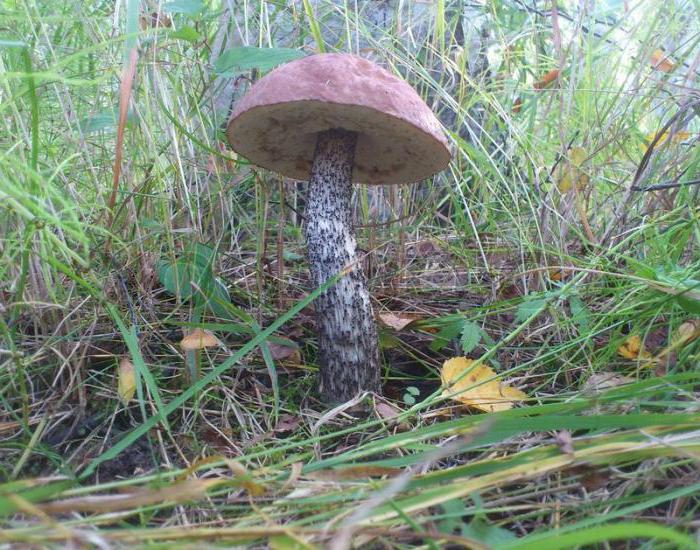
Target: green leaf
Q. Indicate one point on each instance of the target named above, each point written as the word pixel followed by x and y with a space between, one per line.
pixel 580 314
pixel 13 44
pixel 186 33
pixel 186 7
pixel 290 256
pixel 491 535
pixel 455 509
pixel 244 58
pixel 176 278
pixel 202 255
pixel 471 336
pixel 104 120
pixel 413 390
pixel 443 337
pixel 529 307
pixel 689 304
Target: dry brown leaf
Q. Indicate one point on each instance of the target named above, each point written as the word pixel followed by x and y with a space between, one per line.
pixel 287 423
pixel 603 381
pixel 387 411
pixel 189 489
pixel 126 381
pixel 633 349
pixel 517 105
pixel 565 442
pixel 684 335
pixel 479 388
pixel 285 350
pixel 198 339
pixel 398 321
pixel 661 62
pixel 547 79
pixel 353 472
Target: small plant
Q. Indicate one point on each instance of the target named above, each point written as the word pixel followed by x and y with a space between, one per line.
pixel 410 396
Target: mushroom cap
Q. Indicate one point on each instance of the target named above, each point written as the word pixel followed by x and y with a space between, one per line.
pixel 198 339
pixel 276 123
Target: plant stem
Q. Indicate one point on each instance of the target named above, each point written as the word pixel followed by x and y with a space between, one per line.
pixel 347 334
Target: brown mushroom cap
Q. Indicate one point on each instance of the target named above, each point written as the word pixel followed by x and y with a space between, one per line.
pixel 399 139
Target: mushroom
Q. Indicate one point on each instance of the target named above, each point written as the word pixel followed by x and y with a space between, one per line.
pixel 335 119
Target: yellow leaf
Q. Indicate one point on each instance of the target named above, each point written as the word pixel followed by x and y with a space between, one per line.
pixel 660 61
pixel 686 333
pixel 476 385
pixel 198 339
pixel 677 137
pixel 126 381
pixel 570 172
pixel 632 349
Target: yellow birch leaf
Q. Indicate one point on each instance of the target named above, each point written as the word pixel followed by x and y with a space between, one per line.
pixel 661 62
pixel 126 381
pixel 477 386
pixel 570 173
pixel 632 349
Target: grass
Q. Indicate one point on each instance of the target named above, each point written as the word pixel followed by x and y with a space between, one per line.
pixel 542 285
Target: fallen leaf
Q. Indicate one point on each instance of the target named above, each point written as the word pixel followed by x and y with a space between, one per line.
pixel 387 411
pixel 287 423
pixel 198 339
pixel 633 349
pixel 570 172
pixel 285 350
pixel 517 105
pixel 477 386
pixel 677 137
pixel 685 333
pixel 547 79
pixel 565 442
pixel 661 62
pixel 190 489
pixel 353 472
pixel 602 381
pixel 126 381
pixel 398 321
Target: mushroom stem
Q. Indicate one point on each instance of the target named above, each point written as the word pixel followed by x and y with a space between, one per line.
pixel 347 334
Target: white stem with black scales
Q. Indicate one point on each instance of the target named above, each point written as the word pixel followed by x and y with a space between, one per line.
pixel 347 333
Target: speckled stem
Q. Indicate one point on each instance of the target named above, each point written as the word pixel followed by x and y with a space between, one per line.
pixel 347 334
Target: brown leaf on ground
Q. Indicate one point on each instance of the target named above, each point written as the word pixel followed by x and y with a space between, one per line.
pixel 565 442
pixel 661 62
pixel 353 472
pixel 285 350
pixel 287 423
pixel 189 489
pixel 547 79
pixel 603 381
pixel 398 321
